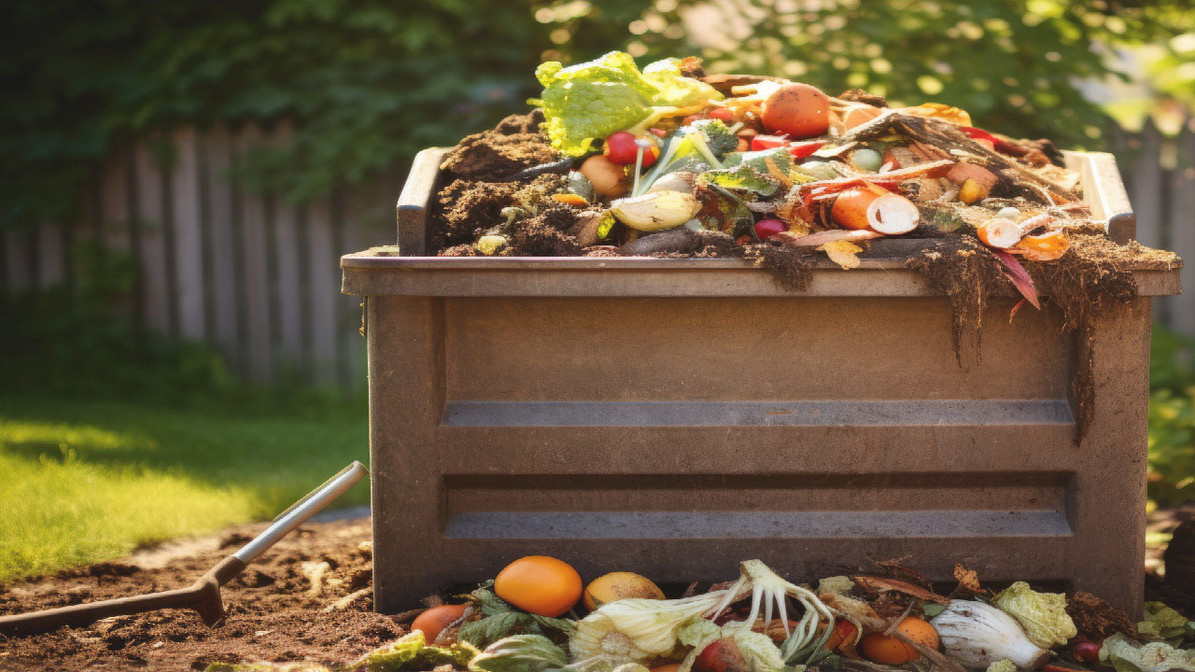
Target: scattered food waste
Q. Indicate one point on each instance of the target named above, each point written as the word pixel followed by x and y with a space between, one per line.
pixel 527 620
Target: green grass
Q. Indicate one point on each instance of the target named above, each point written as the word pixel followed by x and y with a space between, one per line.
pixel 82 481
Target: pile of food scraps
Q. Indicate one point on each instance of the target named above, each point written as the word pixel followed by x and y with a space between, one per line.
pixel 887 620
pixel 666 161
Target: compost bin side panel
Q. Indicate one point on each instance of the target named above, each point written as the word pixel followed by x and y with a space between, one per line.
pixel 406 373
pixel 1109 492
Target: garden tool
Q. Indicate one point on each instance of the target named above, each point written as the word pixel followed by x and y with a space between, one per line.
pixel 204 595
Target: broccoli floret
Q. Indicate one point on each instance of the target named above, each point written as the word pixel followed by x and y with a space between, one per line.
pixel 720 139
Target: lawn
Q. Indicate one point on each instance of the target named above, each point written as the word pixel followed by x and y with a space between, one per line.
pixel 89 480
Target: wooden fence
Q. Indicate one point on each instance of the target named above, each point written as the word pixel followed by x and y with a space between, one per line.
pixel 259 279
pixel 247 273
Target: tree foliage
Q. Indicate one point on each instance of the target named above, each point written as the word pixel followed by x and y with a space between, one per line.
pixel 368 82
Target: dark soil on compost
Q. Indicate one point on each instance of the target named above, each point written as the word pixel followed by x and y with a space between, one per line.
pixel 288 606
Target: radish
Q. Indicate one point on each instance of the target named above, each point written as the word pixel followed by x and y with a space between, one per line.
pixel 766 228
pixel 892 215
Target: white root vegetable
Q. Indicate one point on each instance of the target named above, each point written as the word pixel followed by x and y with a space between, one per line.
pixel 978 634
pixel 1005 232
pixel 892 215
pixel 656 210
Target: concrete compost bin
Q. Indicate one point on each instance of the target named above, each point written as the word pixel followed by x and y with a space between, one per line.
pixel 675 416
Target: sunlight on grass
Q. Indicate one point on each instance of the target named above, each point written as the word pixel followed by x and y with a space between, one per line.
pixel 57 513
pixel 87 481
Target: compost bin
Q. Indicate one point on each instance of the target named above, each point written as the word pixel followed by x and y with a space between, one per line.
pixel 675 416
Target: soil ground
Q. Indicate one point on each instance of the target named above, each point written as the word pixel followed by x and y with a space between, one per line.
pixel 286 607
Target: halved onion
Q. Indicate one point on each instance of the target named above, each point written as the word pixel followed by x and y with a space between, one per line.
pixel 656 210
pixel 892 215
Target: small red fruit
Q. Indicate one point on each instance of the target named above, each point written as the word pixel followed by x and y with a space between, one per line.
pixel 621 148
pixel 766 228
pixel 691 118
pixel 434 620
pixel 1087 652
pixel 722 655
pixel 723 114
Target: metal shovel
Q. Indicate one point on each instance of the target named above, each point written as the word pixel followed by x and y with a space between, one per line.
pixel 204 595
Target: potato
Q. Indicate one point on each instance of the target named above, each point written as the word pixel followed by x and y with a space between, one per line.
pixel 608 178
pixel 797 110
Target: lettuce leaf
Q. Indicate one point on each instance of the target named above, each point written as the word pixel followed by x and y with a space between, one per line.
pixel 589 101
pixel 674 89
pixel 741 178
pixel 412 653
pixel 1128 656
pixel 1042 615
pixel 520 653
pixel 1163 622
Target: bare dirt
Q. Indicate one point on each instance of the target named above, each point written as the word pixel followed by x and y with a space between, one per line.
pixel 285 607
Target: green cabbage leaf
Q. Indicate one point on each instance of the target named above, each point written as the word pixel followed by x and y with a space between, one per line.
pixel 589 101
pixel 1042 615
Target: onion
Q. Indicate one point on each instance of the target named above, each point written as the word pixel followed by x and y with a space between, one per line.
pixel 656 210
pixel 892 215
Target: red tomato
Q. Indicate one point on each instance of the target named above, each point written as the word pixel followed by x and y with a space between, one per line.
pixel 722 113
pixel 621 148
pixel 691 118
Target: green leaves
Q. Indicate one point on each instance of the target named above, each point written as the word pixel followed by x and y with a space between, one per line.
pixel 520 653
pixel 500 619
pixel 742 178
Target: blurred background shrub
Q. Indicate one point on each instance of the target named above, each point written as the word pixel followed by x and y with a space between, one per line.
pixel 368 82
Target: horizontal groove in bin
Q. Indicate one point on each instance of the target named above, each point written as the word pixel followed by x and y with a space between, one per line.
pixel 916 412
pixel 753 525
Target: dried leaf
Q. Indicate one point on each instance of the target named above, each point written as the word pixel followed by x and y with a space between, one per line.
pixel 968 579
pixel 1016 273
pixel 842 252
pixel 878 584
pixel 941 111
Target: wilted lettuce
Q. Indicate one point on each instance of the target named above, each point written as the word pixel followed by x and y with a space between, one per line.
pixel 520 653
pixel 1042 615
pixel 741 178
pixel 412 653
pixel 1128 656
pixel 591 100
pixel 1163 622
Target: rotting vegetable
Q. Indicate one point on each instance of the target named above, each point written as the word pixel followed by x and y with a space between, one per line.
pixel 978 634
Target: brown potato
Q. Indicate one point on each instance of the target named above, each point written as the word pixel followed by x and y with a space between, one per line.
pixel 608 178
